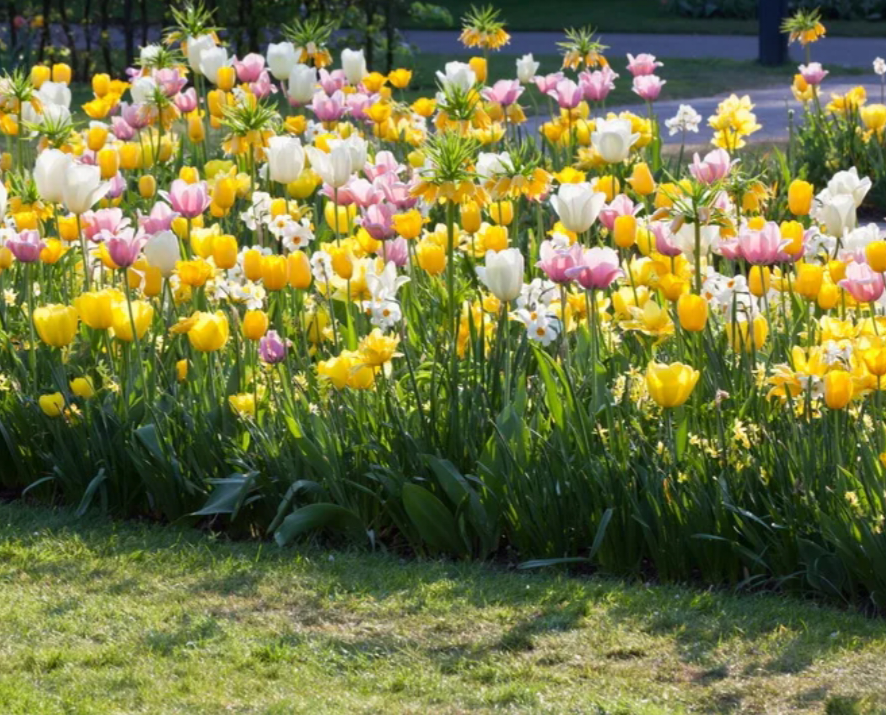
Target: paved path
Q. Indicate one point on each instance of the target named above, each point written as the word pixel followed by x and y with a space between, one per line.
pixel 851 52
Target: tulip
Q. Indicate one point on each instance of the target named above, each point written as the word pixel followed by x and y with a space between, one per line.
pixel 282 58
pixel 353 64
pixel 27 246
pixel 624 231
pixel 742 337
pixel 716 166
pixel 302 84
pixel 557 262
pixel 82 187
pixel 648 87
pixel 431 257
pixel 838 389
pixel 224 251
pixel 875 254
pixel 334 168
pixel 255 324
pixel 503 273
pixel 52 404
pixel 400 78
pixel 50 170
pixel 598 268
pixel 567 93
pixel 578 206
pixel 613 140
pixel 142 317
pixel 274 272
pixel 96 307
pixel 670 385
pixel 813 73
pixel 692 310
pixel 597 85
pixel 286 159
pixel 210 332
pixel 82 387
pixel 862 282
pixel 272 348
pixel 643 64
pixel 504 92
pixel 408 225
pixel 808 280
pixel 249 69
pixel 480 67
pixel 526 68
pixel 457 75
pixel 763 247
pixel 162 251
pixel 124 247
pixel 188 200
pixel 641 179
pixel 800 197
pixel 56 324
pixel 243 404
pixel 470 217
pixel 212 60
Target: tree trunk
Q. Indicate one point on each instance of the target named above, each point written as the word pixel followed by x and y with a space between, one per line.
pixel 128 32
pixel 390 34
pixel 369 43
pixel 86 24
pixel 69 36
pixel 103 39
pixel 44 36
pixel 144 14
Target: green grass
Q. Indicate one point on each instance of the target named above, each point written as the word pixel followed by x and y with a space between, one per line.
pixel 643 16
pixel 100 617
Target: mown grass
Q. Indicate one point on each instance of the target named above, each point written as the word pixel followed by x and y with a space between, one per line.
pixel 100 617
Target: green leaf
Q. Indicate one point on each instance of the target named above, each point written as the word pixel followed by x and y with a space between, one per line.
pixel 228 495
pixel 432 519
pixel 97 481
pixel 595 547
pixel 316 516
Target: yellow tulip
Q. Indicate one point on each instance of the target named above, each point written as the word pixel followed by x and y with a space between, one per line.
pixel 641 180
pixel 255 324
pixel 243 404
pixel 501 212
pixel 52 404
pixel 108 160
pixel 142 316
pixel 431 257
pixel 147 186
pixel 56 324
pixel 274 272
pixel 299 270
pixel 82 387
pixel 838 389
pixel 224 251
pixel 39 75
pixel 400 78
pixel 61 72
pixel 692 310
pixel 808 280
pixel 624 231
pixel 96 307
pixel 670 385
pixel 742 338
pixel 209 332
pixel 800 197
pixel 875 252
pixel 478 64
pixel 408 224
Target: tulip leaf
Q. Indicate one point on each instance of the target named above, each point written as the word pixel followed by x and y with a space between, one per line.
pixel 595 547
pixel 228 495
pixel 97 483
pixel 316 516
pixel 434 522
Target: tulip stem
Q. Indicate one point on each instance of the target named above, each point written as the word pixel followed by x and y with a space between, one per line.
pixel 85 254
pixel 137 343
pixel 32 346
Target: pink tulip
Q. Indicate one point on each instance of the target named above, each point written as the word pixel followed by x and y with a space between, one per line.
pixel 160 219
pixel 262 87
pixel 123 247
pixel 333 81
pixel 557 262
pixel 396 250
pixel 567 93
pixel 121 129
pixel 546 83
pixel 137 116
pixel 396 192
pixel 504 92
pixel 665 240
pixel 170 81
pixel 598 268
pixel 249 69
pixel 117 185
pixel 329 108
pixel 862 282
pixel 26 246
pixel 642 64
pixel 648 86
pixel 189 200
pixel 186 101
pixel 763 247
pixel 597 85
pixel 621 206
pixel 357 104
pixel 385 163
pixel 272 348
pixel 378 220
pixel 110 220
pixel 363 192
pixel 813 73
pixel 716 166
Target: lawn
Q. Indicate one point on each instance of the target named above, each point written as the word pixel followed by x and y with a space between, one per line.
pixel 642 16
pixel 100 617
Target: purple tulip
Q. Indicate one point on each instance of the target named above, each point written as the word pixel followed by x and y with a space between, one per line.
pixel 186 101
pixel 599 267
pixel 27 246
pixel 378 220
pixel 272 348
pixel 160 219
pixel 329 108
pixel 556 262
pixel 123 247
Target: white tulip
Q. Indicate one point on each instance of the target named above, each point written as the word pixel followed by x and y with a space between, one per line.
pixel 334 168
pixel 212 60
pixel 847 182
pixel 490 164
pixel 838 214
pixel 282 58
pixel 578 206
pixel 356 146
pixel 82 187
pixel 142 90
pixel 354 65
pixel 457 74
pixel 286 159
pixel 526 68
pixel 503 273
pixel 302 84
pixel 162 252
pixel 55 116
pixel 49 174
pixel 55 93
pixel 196 46
pixel 149 54
pixel 613 139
